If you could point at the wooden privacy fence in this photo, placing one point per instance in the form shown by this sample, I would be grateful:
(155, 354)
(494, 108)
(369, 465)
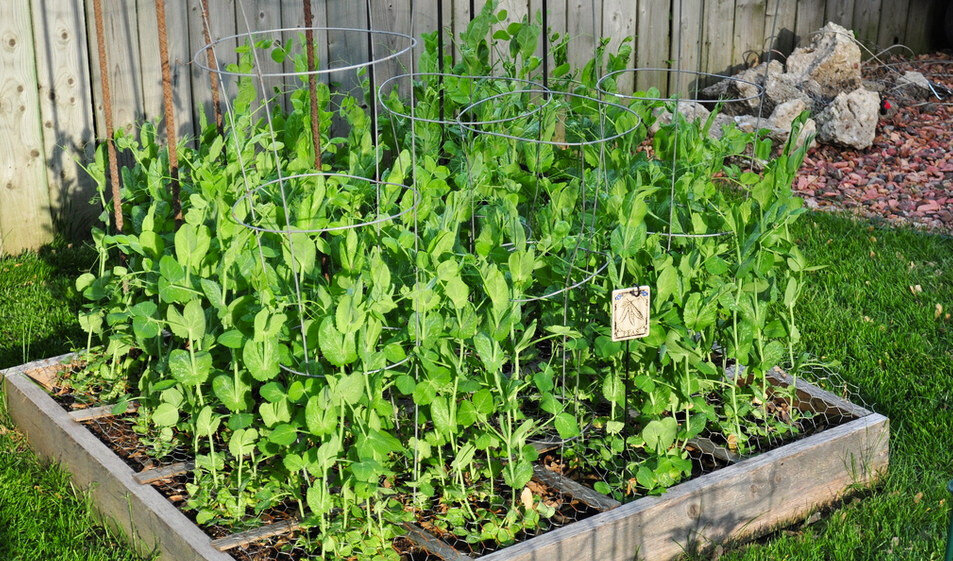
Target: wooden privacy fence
(51, 103)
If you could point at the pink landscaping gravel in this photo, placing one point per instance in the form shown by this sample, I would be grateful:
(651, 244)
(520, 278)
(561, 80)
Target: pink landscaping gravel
(906, 177)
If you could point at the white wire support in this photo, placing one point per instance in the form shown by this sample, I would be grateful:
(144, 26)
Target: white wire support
(413, 76)
(288, 230)
(602, 104)
(409, 43)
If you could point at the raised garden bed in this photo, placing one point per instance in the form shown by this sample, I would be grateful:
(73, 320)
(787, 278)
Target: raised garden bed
(747, 498)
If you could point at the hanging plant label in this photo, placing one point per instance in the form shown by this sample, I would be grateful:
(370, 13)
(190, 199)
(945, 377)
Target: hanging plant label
(630, 313)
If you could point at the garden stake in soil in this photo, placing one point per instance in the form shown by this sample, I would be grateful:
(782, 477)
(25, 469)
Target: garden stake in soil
(107, 115)
(167, 103)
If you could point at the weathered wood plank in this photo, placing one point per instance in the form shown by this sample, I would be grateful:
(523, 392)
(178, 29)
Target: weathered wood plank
(618, 23)
(893, 24)
(569, 487)
(748, 41)
(810, 18)
(177, 28)
(556, 18)
(250, 536)
(764, 492)
(292, 16)
(66, 108)
(867, 15)
(840, 12)
(152, 475)
(652, 43)
(920, 26)
(120, 21)
(25, 221)
(516, 11)
(584, 26)
(221, 23)
(264, 15)
(427, 541)
(388, 16)
(780, 20)
(719, 29)
(687, 27)
(347, 47)
(151, 522)
(92, 413)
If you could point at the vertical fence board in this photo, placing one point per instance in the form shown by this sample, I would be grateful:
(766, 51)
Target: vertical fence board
(292, 16)
(456, 22)
(893, 24)
(584, 25)
(618, 23)
(66, 108)
(780, 21)
(387, 16)
(221, 23)
(920, 23)
(264, 15)
(150, 71)
(120, 22)
(747, 41)
(687, 31)
(652, 44)
(810, 17)
(346, 48)
(177, 28)
(840, 12)
(556, 22)
(424, 20)
(719, 29)
(25, 221)
(867, 23)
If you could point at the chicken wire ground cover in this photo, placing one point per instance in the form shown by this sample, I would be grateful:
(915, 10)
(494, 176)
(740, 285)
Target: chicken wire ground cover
(397, 336)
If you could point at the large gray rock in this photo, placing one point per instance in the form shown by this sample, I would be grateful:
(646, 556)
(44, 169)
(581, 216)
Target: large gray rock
(746, 85)
(832, 59)
(850, 120)
(785, 113)
(781, 89)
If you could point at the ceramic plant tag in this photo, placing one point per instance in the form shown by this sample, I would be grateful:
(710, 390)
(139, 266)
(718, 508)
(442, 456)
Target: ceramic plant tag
(630, 313)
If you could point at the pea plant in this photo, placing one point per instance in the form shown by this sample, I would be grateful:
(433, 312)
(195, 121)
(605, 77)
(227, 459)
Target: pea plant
(374, 352)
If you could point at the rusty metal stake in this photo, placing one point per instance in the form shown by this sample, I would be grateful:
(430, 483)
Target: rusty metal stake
(107, 111)
(169, 110)
(312, 85)
(212, 63)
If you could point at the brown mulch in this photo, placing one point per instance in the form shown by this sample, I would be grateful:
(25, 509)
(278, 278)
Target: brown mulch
(906, 177)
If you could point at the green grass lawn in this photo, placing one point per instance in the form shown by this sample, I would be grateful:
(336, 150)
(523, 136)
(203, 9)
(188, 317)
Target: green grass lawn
(41, 517)
(860, 311)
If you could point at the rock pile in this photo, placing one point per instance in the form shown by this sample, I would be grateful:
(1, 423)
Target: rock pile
(823, 77)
